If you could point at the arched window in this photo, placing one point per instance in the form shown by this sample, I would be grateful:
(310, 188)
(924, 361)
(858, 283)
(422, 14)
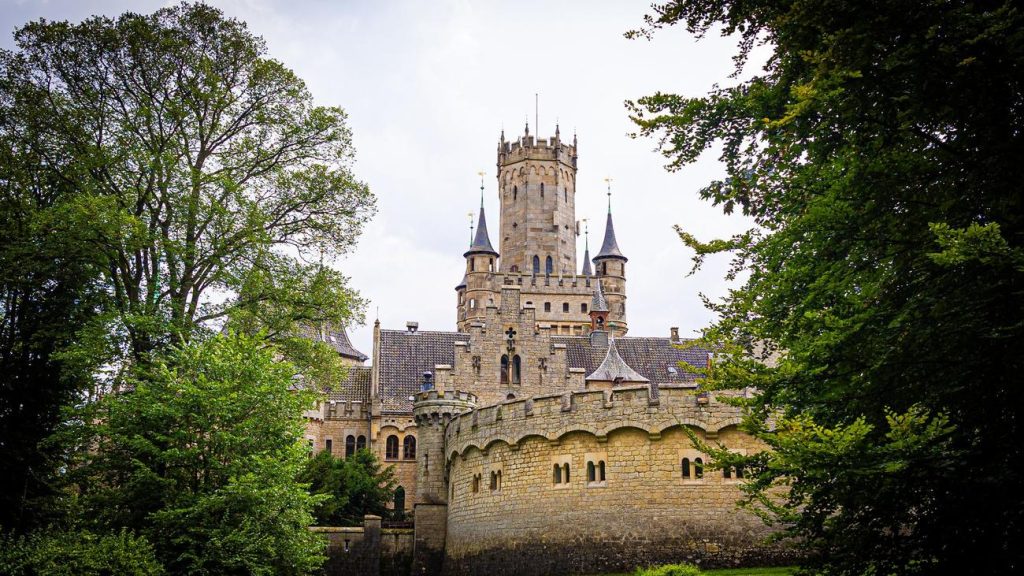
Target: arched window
(399, 499)
(409, 447)
(686, 468)
(504, 368)
(565, 306)
(515, 192)
(350, 445)
(510, 396)
(565, 472)
(698, 468)
(600, 471)
(361, 443)
(514, 269)
(547, 306)
(549, 266)
(542, 190)
(391, 448)
(476, 483)
(591, 472)
(517, 366)
(536, 264)
(494, 480)
(556, 476)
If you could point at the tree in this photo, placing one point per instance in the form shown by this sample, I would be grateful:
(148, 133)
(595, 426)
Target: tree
(878, 152)
(353, 487)
(159, 175)
(200, 457)
(199, 163)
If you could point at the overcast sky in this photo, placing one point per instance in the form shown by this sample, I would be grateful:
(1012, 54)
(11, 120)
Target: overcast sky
(428, 86)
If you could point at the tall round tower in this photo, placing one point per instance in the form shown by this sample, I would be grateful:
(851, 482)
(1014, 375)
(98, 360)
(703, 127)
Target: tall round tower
(537, 188)
(432, 411)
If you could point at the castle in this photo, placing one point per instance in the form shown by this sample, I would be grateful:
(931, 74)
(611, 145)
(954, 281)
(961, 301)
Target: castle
(539, 438)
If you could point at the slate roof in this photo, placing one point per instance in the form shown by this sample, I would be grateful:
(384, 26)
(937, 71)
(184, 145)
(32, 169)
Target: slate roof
(482, 242)
(614, 369)
(404, 356)
(598, 303)
(336, 338)
(587, 270)
(610, 246)
(355, 387)
(650, 357)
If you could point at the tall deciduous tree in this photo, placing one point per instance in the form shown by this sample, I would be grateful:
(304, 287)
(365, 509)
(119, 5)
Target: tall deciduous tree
(879, 153)
(200, 163)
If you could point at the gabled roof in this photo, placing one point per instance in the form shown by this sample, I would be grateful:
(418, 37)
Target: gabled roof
(335, 337)
(355, 387)
(610, 246)
(405, 356)
(614, 369)
(656, 359)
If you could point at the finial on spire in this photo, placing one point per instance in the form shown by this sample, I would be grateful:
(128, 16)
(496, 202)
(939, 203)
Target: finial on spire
(482, 174)
(608, 181)
(470, 216)
(527, 125)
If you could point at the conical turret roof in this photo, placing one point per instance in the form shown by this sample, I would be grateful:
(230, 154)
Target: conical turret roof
(615, 369)
(598, 302)
(482, 241)
(587, 270)
(610, 246)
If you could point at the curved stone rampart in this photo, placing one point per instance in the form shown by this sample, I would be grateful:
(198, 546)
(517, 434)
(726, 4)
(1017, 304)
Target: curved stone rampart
(593, 482)
(598, 412)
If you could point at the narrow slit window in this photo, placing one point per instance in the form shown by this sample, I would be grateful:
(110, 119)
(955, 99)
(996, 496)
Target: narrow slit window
(686, 468)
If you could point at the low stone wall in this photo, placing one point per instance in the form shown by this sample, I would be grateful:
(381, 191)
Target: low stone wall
(367, 550)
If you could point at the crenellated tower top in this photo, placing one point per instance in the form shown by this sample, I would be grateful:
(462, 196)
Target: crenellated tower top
(537, 189)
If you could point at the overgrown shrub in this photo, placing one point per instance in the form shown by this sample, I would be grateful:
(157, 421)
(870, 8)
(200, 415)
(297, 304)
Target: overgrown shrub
(77, 553)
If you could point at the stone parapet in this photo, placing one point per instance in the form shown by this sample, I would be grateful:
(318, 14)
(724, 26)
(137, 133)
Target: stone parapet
(597, 412)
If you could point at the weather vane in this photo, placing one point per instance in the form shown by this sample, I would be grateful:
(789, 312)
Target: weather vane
(608, 181)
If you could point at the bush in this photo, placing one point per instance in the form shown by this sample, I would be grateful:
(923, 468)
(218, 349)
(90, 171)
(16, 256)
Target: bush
(669, 570)
(77, 553)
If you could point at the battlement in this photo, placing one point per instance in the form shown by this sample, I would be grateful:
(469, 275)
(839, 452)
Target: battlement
(651, 408)
(529, 148)
(441, 395)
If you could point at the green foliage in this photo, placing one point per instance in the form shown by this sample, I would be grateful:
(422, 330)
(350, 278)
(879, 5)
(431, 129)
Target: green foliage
(352, 487)
(77, 553)
(197, 165)
(669, 570)
(882, 312)
(200, 456)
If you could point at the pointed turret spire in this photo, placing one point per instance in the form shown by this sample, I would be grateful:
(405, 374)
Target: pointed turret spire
(598, 302)
(614, 369)
(482, 242)
(587, 270)
(610, 246)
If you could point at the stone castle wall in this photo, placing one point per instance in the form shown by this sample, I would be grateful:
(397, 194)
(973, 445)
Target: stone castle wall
(643, 512)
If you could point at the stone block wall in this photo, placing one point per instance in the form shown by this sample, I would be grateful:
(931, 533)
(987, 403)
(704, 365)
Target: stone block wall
(534, 521)
(367, 550)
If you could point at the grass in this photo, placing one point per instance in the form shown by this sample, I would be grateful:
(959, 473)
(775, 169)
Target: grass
(777, 571)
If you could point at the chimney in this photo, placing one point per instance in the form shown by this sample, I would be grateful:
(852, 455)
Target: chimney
(412, 327)
(675, 333)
